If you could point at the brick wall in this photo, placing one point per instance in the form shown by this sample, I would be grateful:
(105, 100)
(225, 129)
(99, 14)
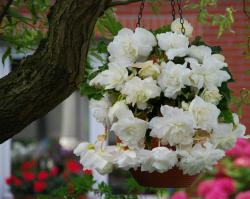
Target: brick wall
(231, 42)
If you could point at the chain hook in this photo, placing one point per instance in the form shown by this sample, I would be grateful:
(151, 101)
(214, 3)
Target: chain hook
(173, 8)
(181, 17)
(138, 24)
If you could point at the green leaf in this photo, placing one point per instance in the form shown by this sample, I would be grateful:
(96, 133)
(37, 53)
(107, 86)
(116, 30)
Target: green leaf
(162, 29)
(199, 42)
(226, 112)
(90, 91)
(6, 55)
(102, 47)
(108, 25)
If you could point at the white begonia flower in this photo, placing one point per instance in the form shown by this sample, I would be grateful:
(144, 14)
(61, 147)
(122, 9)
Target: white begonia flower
(196, 77)
(145, 40)
(205, 115)
(127, 159)
(175, 45)
(98, 160)
(184, 106)
(199, 52)
(207, 76)
(114, 77)
(163, 159)
(138, 91)
(81, 148)
(160, 159)
(199, 158)
(175, 127)
(131, 131)
(225, 135)
(214, 60)
(212, 96)
(123, 49)
(100, 110)
(173, 78)
(213, 77)
(119, 110)
(148, 69)
(176, 27)
(92, 157)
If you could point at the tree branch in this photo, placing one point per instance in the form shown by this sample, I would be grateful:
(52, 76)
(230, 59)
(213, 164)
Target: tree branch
(4, 6)
(122, 2)
(54, 71)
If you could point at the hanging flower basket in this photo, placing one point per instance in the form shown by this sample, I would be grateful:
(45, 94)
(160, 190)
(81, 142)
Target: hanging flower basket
(165, 97)
(174, 178)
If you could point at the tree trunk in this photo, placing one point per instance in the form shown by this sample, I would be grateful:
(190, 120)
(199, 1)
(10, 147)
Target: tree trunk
(4, 6)
(54, 71)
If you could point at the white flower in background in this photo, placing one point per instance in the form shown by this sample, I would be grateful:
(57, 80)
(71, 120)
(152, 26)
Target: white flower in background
(212, 96)
(138, 91)
(173, 78)
(123, 50)
(160, 159)
(131, 131)
(176, 27)
(175, 45)
(114, 77)
(175, 127)
(127, 159)
(200, 157)
(145, 40)
(100, 110)
(199, 52)
(205, 115)
(148, 69)
(119, 110)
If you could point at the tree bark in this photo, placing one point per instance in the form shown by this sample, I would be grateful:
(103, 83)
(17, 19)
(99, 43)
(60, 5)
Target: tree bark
(55, 70)
(4, 6)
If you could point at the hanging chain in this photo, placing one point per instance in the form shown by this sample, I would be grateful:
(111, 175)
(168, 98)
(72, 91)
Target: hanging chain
(140, 13)
(181, 17)
(173, 9)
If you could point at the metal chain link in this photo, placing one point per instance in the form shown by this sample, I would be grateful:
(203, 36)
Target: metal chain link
(173, 8)
(181, 17)
(138, 24)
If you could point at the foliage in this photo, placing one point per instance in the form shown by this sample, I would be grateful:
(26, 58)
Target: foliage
(224, 22)
(108, 26)
(25, 24)
(44, 170)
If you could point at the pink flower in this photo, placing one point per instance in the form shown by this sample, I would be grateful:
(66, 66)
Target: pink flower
(243, 195)
(216, 193)
(226, 184)
(246, 150)
(204, 187)
(238, 149)
(242, 161)
(179, 195)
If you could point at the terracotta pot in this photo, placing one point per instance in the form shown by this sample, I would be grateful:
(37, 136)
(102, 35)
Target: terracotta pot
(173, 178)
